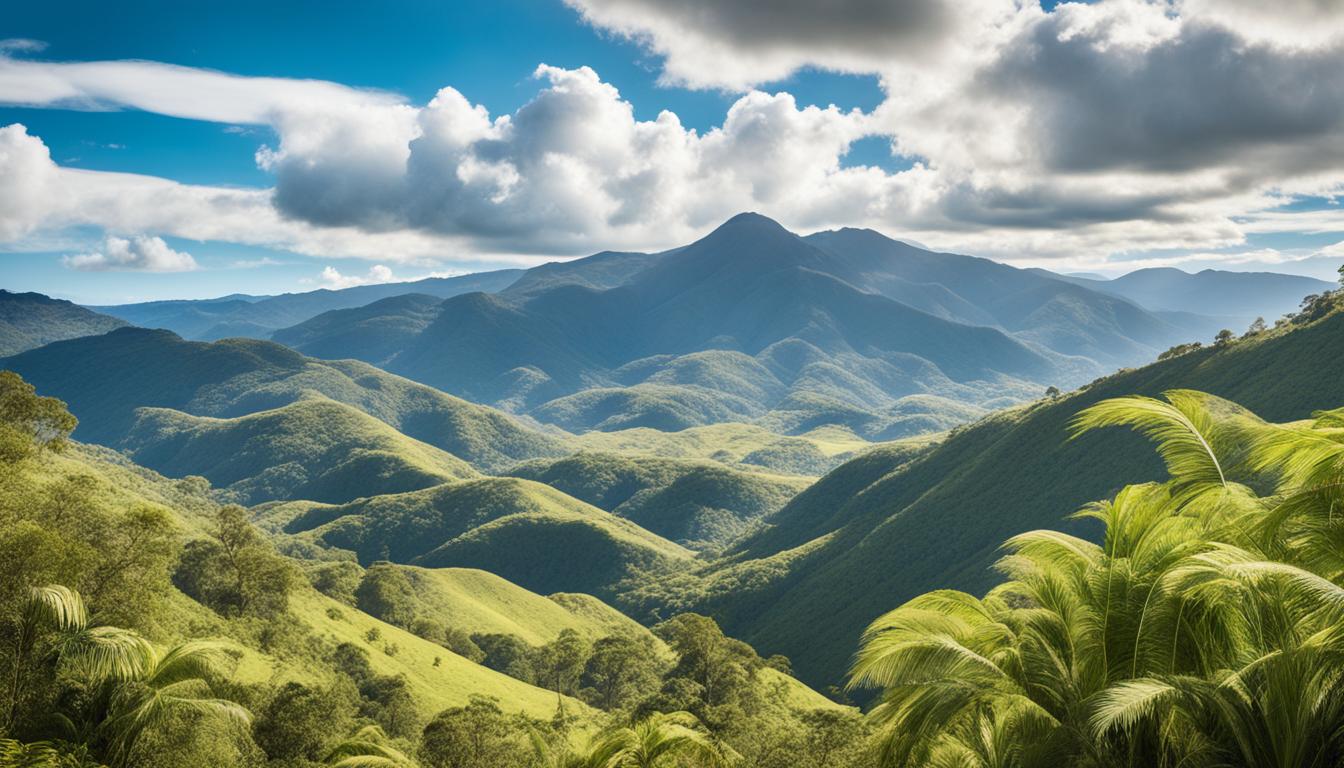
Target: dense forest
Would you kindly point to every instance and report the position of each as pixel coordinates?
(145, 621)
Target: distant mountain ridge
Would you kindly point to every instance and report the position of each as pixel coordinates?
(257, 317)
(1236, 297)
(753, 323)
(30, 320)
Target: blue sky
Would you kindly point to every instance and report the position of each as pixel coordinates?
(489, 53)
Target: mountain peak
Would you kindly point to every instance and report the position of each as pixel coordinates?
(750, 222)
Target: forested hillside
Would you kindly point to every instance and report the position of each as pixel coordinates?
(29, 320)
(883, 528)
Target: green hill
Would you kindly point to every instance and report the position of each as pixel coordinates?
(699, 504)
(148, 368)
(108, 485)
(479, 602)
(526, 532)
(314, 449)
(883, 528)
(812, 453)
(29, 320)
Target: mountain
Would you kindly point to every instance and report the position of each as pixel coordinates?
(701, 505)
(29, 320)
(140, 368)
(887, 526)
(755, 324)
(526, 532)
(315, 449)
(258, 316)
(1236, 297)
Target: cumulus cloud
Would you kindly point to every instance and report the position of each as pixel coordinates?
(136, 254)
(332, 277)
(1087, 130)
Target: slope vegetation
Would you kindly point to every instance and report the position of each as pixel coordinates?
(526, 532)
(140, 368)
(314, 449)
(883, 528)
(698, 504)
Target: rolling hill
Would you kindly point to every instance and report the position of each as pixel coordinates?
(526, 532)
(701, 505)
(224, 379)
(241, 315)
(883, 527)
(314, 449)
(755, 324)
(30, 320)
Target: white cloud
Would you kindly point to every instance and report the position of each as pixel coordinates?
(1118, 127)
(332, 278)
(135, 254)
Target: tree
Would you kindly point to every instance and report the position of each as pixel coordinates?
(1257, 327)
(1052, 392)
(1223, 338)
(507, 654)
(559, 664)
(722, 666)
(55, 623)
(298, 722)
(235, 571)
(1203, 630)
(169, 683)
(478, 735)
(387, 594)
(620, 670)
(29, 422)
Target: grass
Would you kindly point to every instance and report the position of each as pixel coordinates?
(313, 449)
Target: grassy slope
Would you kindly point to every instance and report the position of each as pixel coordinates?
(29, 320)
(700, 504)
(526, 532)
(899, 528)
(315, 449)
(125, 484)
(477, 601)
(813, 453)
(143, 368)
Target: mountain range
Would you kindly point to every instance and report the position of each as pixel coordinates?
(243, 315)
(753, 323)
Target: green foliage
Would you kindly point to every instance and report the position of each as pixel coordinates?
(235, 571)
(1202, 630)
(231, 378)
(701, 505)
(299, 722)
(314, 449)
(29, 422)
(885, 528)
(478, 735)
